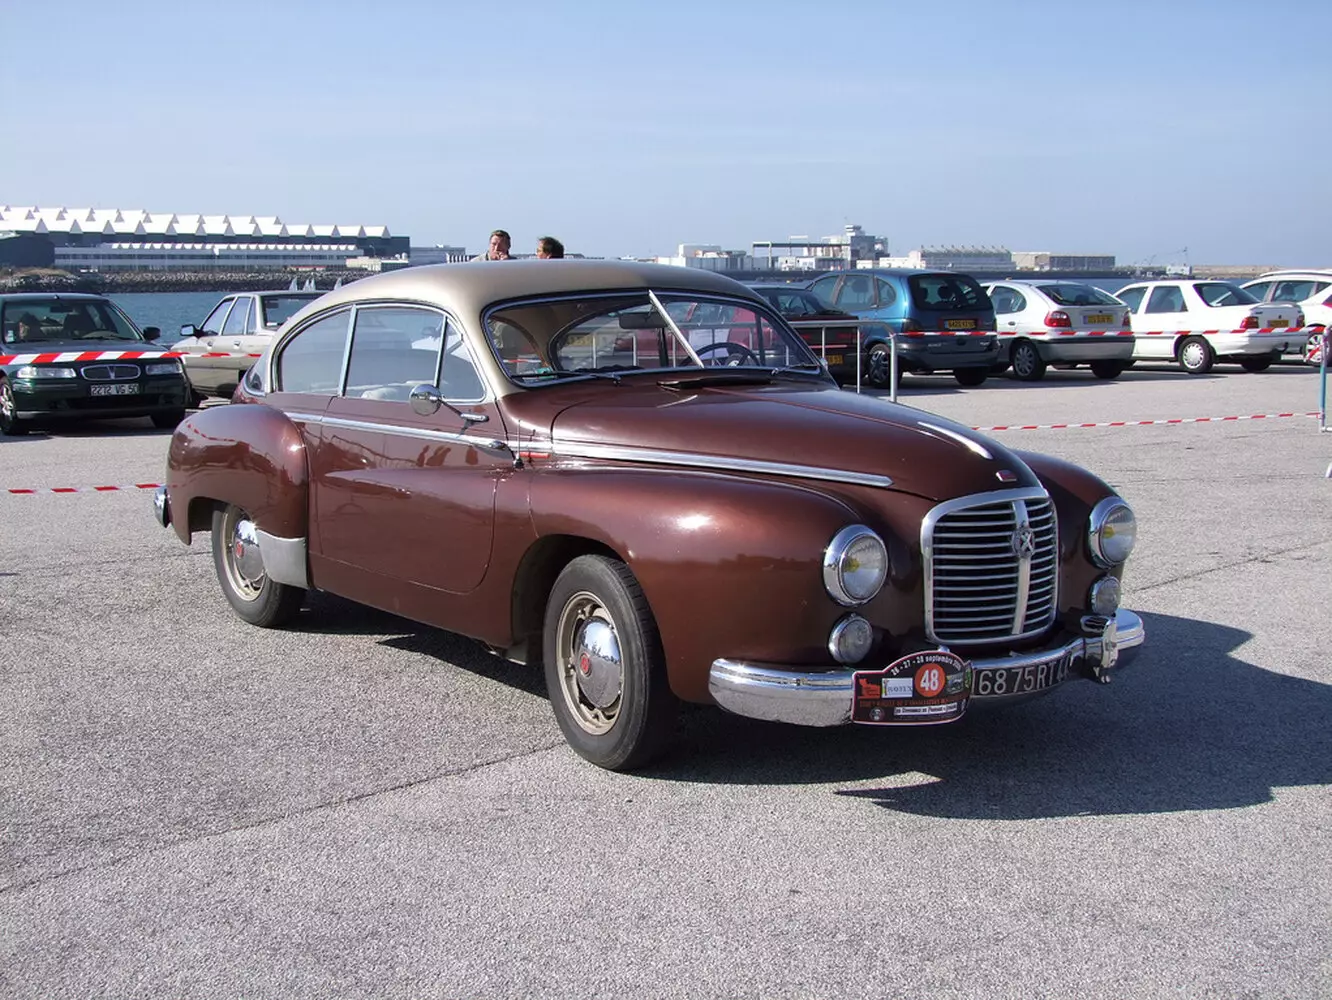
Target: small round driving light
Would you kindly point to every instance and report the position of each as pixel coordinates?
(851, 639)
(855, 564)
(1111, 532)
(1104, 597)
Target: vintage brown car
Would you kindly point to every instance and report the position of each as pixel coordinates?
(546, 456)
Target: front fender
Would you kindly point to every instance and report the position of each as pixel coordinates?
(250, 456)
(730, 566)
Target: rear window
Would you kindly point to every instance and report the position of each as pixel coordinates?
(947, 292)
(1079, 295)
(1223, 293)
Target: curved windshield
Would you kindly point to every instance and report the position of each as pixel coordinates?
(61, 319)
(550, 339)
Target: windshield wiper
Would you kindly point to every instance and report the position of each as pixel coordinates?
(607, 372)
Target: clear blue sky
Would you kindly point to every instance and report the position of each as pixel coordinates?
(626, 127)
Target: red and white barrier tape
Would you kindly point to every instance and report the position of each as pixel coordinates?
(84, 489)
(30, 491)
(78, 357)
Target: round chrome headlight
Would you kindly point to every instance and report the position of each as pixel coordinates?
(1104, 597)
(1111, 532)
(851, 639)
(855, 564)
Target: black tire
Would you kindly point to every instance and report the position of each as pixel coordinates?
(1259, 363)
(879, 367)
(1108, 369)
(618, 715)
(167, 419)
(971, 377)
(1028, 365)
(10, 424)
(1196, 356)
(257, 599)
(195, 400)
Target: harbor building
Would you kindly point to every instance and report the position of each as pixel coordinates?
(852, 247)
(1043, 260)
(110, 239)
(966, 259)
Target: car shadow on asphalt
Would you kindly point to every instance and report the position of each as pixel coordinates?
(1187, 726)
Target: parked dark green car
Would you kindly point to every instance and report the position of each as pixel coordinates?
(50, 368)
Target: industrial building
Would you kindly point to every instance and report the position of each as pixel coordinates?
(112, 239)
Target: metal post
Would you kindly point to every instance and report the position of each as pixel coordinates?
(1322, 382)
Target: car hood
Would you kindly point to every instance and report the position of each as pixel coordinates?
(80, 346)
(805, 431)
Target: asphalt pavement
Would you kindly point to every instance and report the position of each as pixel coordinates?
(358, 806)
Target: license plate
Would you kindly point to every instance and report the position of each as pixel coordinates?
(833, 359)
(923, 688)
(1280, 322)
(1100, 318)
(125, 389)
(1000, 681)
(959, 324)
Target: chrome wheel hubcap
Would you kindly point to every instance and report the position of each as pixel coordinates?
(590, 663)
(244, 561)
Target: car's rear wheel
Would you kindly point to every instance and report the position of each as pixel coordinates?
(10, 424)
(1028, 365)
(1258, 363)
(1195, 356)
(605, 669)
(879, 367)
(971, 377)
(240, 570)
(1108, 369)
(167, 419)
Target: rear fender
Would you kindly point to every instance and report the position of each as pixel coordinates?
(250, 456)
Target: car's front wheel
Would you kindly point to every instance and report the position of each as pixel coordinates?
(1028, 365)
(1195, 356)
(10, 424)
(240, 570)
(1108, 369)
(605, 669)
(970, 377)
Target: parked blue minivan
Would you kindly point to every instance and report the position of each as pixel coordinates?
(944, 321)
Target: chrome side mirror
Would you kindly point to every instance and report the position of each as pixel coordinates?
(425, 400)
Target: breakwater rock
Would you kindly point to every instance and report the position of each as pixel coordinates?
(53, 280)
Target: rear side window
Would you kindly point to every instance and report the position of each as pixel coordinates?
(1166, 299)
(947, 292)
(312, 360)
(887, 293)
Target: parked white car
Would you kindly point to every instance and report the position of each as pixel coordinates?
(1310, 290)
(1041, 323)
(1198, 323)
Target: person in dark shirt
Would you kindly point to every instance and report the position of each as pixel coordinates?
(549, 248)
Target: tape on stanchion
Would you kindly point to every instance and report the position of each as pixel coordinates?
(32, 491)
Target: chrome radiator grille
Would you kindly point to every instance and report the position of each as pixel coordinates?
(108, 373)
(991, 567)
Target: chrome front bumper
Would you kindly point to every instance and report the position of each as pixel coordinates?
(823, 697)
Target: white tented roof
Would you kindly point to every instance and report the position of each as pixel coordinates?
(139, 222)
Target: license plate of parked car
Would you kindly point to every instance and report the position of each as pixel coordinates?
(1100, 318)
(1021, 680)
(959, 324)
(128, 389)
(833, 359)
(1279, 322)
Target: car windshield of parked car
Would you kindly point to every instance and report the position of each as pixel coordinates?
(1078, 295)
(277, 309)
(947, 292)
(549, 339)
(57, 319)
(1223, 293)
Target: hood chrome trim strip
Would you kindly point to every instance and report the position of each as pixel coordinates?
(720, 463)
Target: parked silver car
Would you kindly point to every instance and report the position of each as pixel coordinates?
(221, 350)
(1041, 323)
